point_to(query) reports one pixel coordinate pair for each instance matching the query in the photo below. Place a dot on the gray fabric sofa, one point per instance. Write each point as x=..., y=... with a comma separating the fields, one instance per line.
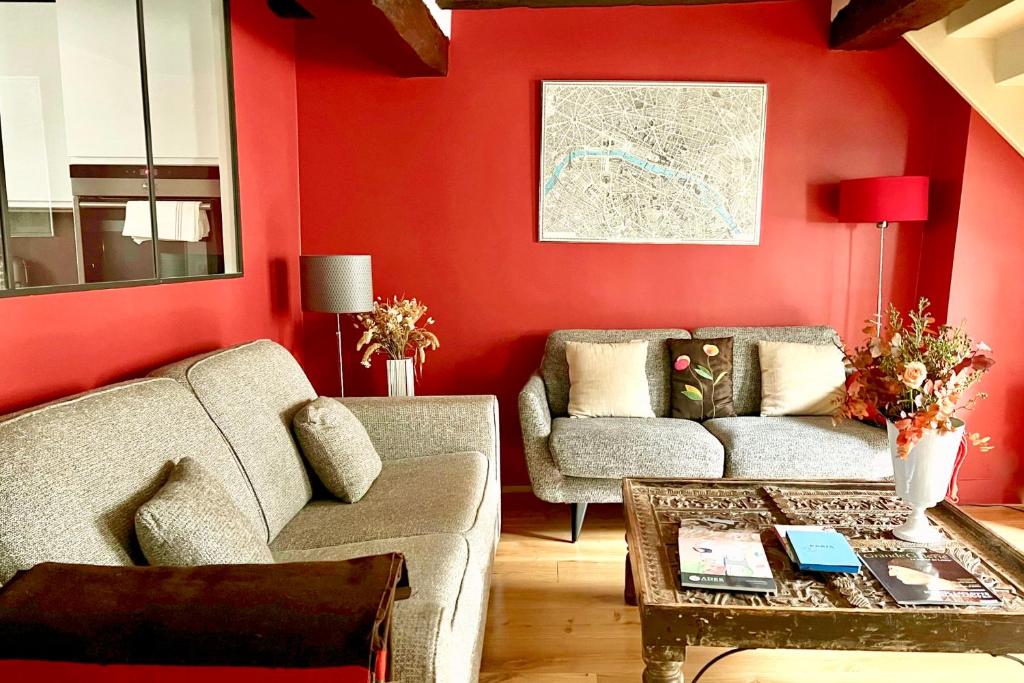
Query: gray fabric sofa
x=73, y=473
x=581, y=461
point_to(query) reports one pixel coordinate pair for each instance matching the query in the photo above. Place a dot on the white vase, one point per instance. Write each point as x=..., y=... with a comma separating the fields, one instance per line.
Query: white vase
x=401, y=377
x=922, y=479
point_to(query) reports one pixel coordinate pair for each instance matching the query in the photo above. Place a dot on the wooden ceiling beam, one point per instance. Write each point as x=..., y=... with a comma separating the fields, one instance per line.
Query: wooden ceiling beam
x=539, y=4
x=410, y=19
x=874, y=24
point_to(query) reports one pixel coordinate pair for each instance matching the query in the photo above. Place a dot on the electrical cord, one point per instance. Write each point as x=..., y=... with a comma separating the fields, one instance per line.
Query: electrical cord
x=716, y=659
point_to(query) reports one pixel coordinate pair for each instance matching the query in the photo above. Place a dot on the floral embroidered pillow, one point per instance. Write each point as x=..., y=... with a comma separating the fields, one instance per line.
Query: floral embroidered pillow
x=701, y=378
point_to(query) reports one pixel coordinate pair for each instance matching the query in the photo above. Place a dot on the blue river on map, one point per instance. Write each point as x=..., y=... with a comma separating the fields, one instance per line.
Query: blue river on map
x=705, y=196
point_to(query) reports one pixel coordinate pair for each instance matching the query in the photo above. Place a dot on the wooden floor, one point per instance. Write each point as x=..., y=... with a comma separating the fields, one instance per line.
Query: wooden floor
x=556, y=614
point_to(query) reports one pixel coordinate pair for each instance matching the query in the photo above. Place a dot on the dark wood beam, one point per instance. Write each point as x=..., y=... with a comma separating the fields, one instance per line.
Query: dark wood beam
x=412, y=21
x=289, y=9
x=502, y=4
x=873, y=24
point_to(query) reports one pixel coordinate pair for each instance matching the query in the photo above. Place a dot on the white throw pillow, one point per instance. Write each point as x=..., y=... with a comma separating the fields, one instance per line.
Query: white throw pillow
x=800, y=379
x=608, y=380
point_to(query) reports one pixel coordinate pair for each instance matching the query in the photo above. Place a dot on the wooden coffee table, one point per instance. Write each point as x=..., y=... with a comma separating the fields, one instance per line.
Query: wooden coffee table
x=810, y=610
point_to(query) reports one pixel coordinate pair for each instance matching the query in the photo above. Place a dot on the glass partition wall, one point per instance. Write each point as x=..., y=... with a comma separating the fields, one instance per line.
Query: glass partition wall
x=116, y=124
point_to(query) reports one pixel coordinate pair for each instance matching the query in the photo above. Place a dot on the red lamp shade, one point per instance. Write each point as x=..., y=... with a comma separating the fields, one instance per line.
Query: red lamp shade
x=892, y=198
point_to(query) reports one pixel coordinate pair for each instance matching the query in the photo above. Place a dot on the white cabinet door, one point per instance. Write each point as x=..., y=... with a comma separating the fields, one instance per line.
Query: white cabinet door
x=31, y=108
x=102, y=81
x=103, y=85
x=184, y=58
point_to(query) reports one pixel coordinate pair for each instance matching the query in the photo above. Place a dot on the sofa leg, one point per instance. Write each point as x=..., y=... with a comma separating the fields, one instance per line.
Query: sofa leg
x=579, y=511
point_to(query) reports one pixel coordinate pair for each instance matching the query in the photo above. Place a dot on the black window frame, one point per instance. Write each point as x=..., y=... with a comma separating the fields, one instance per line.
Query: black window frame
x=7, y=265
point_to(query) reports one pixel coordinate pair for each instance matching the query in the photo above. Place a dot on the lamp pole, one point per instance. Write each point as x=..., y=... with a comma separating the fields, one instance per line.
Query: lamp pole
x=882, y=225
x=341, y=367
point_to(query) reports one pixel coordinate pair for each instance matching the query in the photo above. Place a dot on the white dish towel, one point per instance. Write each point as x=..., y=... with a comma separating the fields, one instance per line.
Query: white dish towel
x=177, y=221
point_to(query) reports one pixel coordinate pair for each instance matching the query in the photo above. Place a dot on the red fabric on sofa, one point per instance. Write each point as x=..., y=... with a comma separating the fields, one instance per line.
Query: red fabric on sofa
x=301, y=621
x=22, y=671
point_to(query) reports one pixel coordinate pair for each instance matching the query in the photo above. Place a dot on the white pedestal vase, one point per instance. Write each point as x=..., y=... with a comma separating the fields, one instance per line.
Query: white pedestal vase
x=922, y=479
x=401, y=377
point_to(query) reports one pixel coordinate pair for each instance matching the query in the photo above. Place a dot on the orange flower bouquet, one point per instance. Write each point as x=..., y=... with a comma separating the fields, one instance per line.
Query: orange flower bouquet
x=915, y=375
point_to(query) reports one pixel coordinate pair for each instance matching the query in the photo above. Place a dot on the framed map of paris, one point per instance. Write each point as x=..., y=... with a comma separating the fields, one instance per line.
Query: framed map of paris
x=652, y=162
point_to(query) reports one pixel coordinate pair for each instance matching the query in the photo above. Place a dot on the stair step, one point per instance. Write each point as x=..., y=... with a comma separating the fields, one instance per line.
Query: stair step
x=986, y=18
x=1008, y=59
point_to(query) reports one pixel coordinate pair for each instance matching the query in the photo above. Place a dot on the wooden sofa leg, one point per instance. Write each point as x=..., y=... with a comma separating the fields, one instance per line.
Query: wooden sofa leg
x=579, y=511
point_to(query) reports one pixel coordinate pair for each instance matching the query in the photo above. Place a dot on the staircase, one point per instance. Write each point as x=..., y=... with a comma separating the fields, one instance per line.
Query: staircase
x=979, y=49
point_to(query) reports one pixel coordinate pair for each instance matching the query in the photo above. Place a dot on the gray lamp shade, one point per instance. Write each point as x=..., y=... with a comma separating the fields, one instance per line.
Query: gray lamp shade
x=336, y=284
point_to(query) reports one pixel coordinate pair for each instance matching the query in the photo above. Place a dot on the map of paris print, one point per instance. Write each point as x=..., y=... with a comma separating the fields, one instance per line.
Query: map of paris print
x=652, y=162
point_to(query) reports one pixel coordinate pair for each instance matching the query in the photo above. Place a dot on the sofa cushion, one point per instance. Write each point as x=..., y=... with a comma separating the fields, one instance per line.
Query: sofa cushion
x=613, y=448
x=252, y=392
x=430, y=494
x=701, y=378
x=428, y=636
x=73, y=472
x=193, y=521
x=554, y=368
x=802, y=448
x=746, y=370
x=608, y=380
x=800, y=379
x=337, y=446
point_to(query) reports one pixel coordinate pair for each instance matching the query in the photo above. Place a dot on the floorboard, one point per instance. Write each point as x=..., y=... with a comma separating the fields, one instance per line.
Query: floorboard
x=556, y=614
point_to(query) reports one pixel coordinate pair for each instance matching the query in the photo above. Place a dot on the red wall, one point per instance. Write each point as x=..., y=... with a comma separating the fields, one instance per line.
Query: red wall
x=986, y=290
x=58, y=344
x=437, y=179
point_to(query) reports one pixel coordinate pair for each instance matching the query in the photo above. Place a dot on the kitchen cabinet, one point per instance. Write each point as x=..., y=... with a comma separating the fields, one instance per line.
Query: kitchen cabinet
x=31, y=108
x=102, y=81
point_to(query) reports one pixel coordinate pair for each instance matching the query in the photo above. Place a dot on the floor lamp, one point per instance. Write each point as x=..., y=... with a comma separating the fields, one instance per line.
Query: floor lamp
x=891, y=199
x=337, y=284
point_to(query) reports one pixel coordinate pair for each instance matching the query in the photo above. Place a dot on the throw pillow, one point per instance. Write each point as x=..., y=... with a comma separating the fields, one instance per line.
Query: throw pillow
x=701, y=378
x=800, y=379
x=336, y=444
x=608, y=380
x=193, y=521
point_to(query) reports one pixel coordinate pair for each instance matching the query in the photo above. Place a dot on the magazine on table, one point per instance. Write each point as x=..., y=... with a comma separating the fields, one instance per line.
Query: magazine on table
x=922, y=577
x=723, y=560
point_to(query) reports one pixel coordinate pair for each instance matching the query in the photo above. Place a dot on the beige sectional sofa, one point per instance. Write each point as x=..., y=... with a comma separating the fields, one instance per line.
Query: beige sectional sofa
x=73, y=473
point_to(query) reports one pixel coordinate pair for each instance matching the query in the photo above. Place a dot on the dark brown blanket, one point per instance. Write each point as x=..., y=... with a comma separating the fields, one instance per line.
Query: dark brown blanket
x=309, y=614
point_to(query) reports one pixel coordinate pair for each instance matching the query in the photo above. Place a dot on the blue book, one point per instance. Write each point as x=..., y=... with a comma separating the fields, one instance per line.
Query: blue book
x=823, y=551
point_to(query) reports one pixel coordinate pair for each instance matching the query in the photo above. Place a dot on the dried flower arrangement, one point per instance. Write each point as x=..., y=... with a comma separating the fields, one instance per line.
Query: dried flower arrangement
x=392, y=327
x=915, y=375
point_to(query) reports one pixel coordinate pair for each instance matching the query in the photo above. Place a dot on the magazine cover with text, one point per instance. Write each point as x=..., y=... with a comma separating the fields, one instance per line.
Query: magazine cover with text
x=923, y=577
x=724, y=560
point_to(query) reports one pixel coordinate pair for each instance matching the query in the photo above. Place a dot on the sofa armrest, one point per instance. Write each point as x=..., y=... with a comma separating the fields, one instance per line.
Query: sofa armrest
x=429, y=425
x=294, y=615
x=535, y=422
x=534, y=411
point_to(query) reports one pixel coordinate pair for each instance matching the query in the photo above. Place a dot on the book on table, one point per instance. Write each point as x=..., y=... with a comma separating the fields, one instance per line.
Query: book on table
x=919, y=576
x=823, y=551
x=781, y=531
x=723, y=560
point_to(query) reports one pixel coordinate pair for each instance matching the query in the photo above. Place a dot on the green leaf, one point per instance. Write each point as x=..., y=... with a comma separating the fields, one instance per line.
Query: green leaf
x=720, y=376
x=693, y=393
x=703, y=371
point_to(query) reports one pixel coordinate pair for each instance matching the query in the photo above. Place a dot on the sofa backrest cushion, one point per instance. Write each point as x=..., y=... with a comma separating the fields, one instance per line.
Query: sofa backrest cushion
x=746, y=370
x=74, y=472
x=251, y=392
x=554, y=369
